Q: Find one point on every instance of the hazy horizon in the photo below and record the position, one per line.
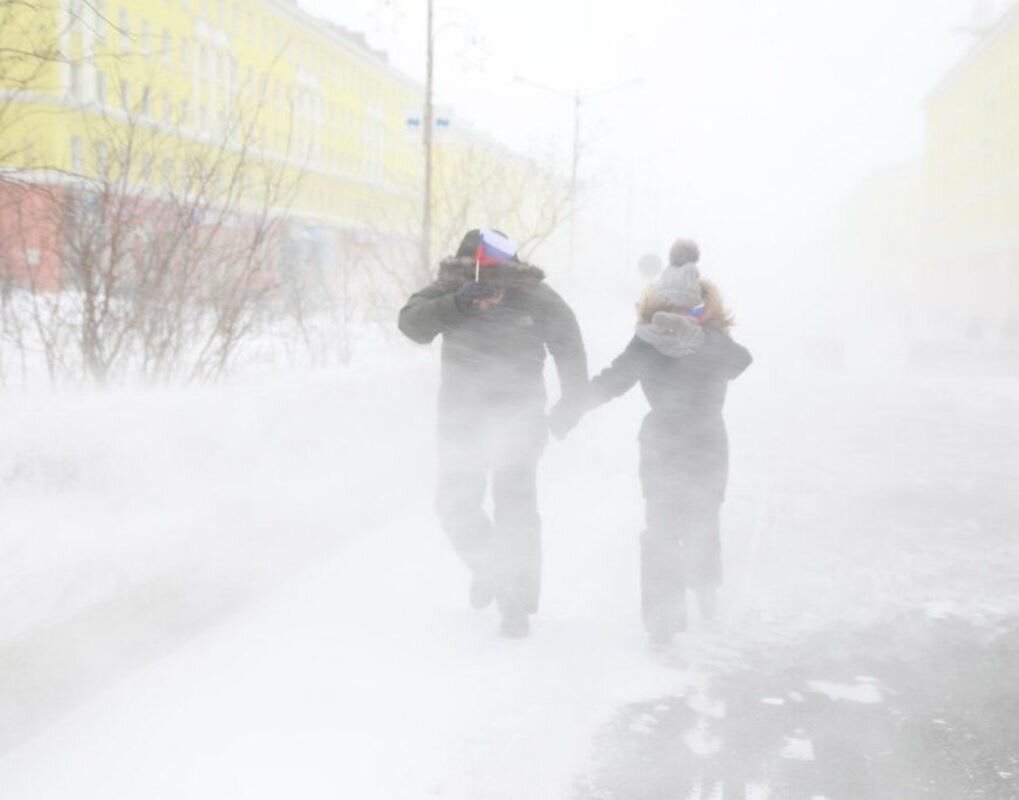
(751, 120)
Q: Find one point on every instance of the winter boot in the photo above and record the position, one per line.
(662, 594)
(514, 625)
(663, 623)
(660, 639)
(482, 592)
(707, 602)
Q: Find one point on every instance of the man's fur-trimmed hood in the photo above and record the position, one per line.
(511, 275)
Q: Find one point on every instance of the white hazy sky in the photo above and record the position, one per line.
(753, 116)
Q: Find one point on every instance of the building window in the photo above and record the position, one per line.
(76, 154)
(74, 80)
(167, 108)
(146, 39)
(185, 54)
(102, 158)
(146, 102)
(125, 31)
(74, 13)
(167, 170)
(125, 94)
(100, 87)
(100, 10)
(167, 46)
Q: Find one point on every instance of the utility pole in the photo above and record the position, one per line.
(577, 101)
(428, 124)
(578, 98)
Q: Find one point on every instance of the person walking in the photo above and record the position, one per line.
(497, 317)
(683, 357)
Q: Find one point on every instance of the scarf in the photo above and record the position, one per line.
(673, 335)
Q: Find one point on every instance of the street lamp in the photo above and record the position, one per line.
(429, 121)
(578, 99)
(426, 222)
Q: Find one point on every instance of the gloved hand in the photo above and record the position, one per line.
(563, 418)
(469, 296)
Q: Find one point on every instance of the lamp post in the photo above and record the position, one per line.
(578, 100)
(429, 122)
(426, 222)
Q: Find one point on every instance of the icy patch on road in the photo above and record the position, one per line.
(798, 748)
(853, 693)
(705, 705)
(644, 724)
(700, 741)
(714, 791)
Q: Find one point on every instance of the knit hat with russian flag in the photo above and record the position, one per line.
(488, 246)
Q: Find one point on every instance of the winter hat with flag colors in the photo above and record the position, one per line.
(487, 246)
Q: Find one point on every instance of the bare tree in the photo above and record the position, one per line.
(172, 250)
(477, 182)
(29, 63)
(168, 251)
(483, 183)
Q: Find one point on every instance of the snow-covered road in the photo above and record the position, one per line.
(297, 627)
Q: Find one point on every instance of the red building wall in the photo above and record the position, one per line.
(30, 235)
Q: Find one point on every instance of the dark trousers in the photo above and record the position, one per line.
(681, 545)
(506, 549)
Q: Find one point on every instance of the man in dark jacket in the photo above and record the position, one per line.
(497, 317)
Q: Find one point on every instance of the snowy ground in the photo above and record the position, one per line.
(241, 592)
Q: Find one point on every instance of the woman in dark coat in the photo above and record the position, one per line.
(683, 357)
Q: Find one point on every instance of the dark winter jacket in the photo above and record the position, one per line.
(493, 360)
(683, 438)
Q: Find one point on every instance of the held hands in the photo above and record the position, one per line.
(476, 295)
(562, 419)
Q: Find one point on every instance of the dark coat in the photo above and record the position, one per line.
(684, 447)
(492, 396)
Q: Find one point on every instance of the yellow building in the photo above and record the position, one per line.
(937, 240)
(173, 95)
(972, 152)
(260, 76)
